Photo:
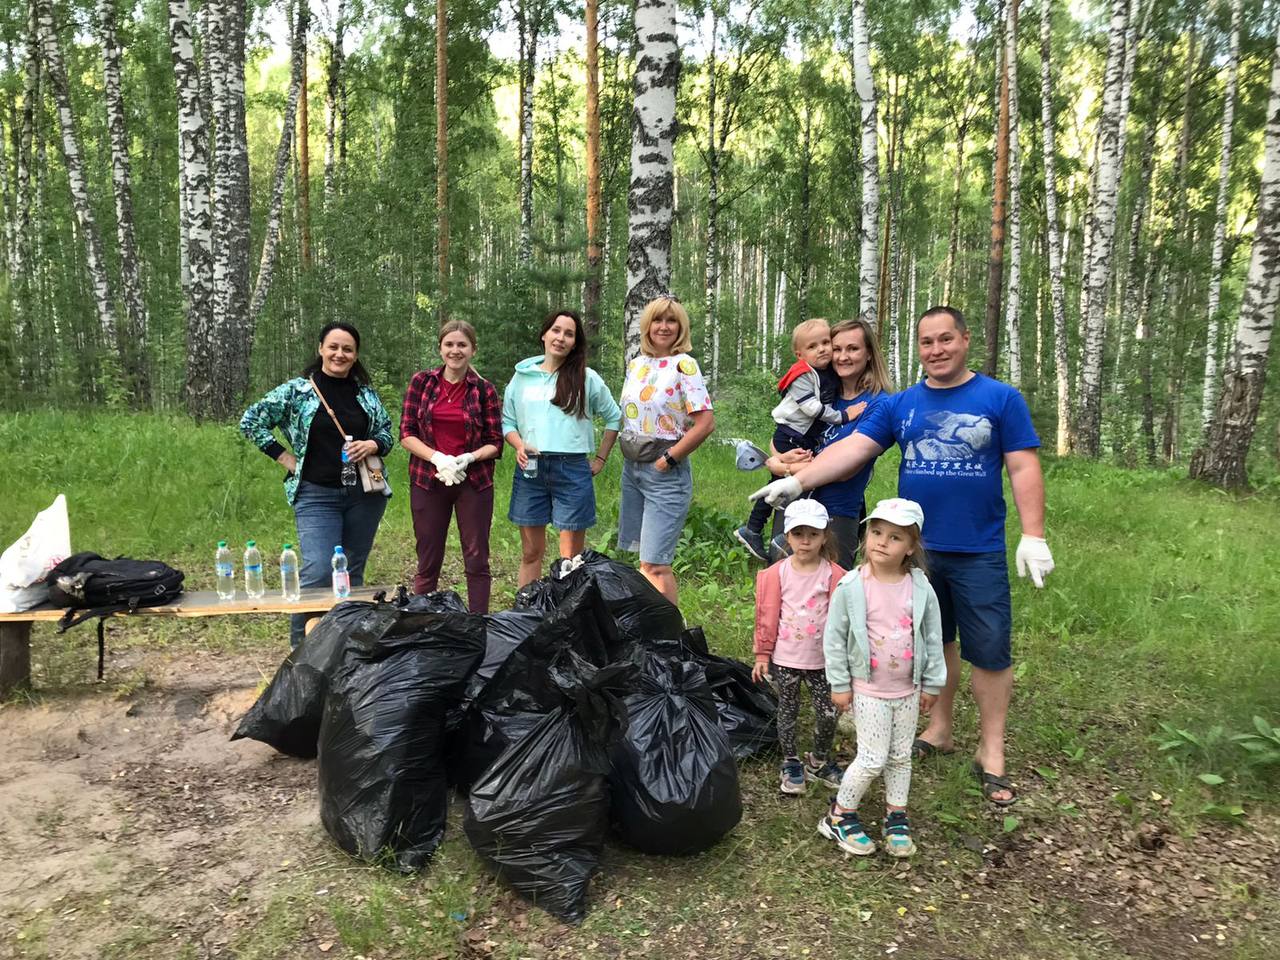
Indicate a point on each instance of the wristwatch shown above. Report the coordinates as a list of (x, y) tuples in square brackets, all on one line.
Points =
[(671, 461)]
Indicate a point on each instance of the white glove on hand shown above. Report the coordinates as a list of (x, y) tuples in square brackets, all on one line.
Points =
[(1033, 557), (780, 492), (443, 462), (451, 478), (465, 460)]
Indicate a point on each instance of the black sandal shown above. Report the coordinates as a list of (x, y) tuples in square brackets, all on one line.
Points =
[(922, 749), (992, 784)]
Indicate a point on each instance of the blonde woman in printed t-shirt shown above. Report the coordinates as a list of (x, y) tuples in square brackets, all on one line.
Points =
[(666, 414)]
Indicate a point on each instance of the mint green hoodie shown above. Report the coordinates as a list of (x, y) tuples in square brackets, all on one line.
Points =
[(527, 409)]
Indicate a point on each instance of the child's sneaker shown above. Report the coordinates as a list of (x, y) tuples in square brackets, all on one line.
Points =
[(846, 830), (897, 835), (753, 541), (792, 777), (827, 772), (779, 549)]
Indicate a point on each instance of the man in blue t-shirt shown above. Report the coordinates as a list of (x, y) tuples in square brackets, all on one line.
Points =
[(957, 429)]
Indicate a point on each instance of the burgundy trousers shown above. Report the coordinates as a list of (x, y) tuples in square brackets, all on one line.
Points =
[(432, 510)]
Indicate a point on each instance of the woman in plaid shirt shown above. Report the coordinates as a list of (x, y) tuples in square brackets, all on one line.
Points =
[(452, 428)]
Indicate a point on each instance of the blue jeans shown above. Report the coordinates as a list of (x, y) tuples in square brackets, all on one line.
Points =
[(328, 516)]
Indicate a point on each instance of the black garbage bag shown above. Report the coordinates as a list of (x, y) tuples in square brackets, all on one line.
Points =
[(674, 780), (521, 692), (438, 601), (381, 761), (539, 815), (640, 611), (748, 711), (287, 715)]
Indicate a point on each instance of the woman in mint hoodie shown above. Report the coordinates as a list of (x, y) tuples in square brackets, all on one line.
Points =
[(547, 413)]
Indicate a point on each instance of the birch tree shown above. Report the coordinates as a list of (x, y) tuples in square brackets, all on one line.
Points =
[(1013, 305), (651, 196), (865, 88), (1102, 227), (21, 252), (122, 188), (1209, 394), (999, 210), (529, 19), (1053, 238), (73, 159), (592, 286), (195, 212), (1222, 458), (271, 239), (333, 87), (442, 156)]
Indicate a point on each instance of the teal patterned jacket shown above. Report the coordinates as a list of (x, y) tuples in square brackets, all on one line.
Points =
[(290, 408)]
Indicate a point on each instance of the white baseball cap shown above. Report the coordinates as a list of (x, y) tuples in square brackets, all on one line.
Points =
[(805, 513), (898, 510)]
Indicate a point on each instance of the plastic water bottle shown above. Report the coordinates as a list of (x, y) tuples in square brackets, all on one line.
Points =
[(348, 468), (341, 579), (290, 584), (224, 568), (253, 583), (531, 466)]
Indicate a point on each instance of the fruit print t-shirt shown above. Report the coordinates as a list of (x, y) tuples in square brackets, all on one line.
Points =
[(803, 617), (659, 395)]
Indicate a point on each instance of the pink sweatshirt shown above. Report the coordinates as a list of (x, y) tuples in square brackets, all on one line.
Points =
[(769, 612)]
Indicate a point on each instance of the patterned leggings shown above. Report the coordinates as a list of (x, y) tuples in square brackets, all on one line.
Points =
[(824, 711), (886, 729)]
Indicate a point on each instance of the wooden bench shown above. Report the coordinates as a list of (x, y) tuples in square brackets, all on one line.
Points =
[(15, 628)]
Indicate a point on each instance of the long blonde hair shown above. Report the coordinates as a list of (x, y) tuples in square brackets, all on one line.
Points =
[(875, 376)]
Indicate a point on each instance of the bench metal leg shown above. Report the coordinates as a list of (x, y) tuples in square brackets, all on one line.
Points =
[(15, 657)]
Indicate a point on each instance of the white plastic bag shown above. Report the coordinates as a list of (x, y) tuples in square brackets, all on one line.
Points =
[(28, 561)]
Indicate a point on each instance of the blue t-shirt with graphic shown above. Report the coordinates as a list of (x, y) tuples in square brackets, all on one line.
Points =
[(953, 444), (844, 497)]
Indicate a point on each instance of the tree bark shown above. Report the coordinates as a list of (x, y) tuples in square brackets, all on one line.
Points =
[(1210, 391), (1013, 305), (442, 156), (333, 87), (650, 198), (195, 213), (864, 86), (1222, 460), (999, 212), (530, 21), (271, 240), (711, 272), (592, 289), (304, 159), (126, 237), (1053, 238), (1097, 277), (73, 159)]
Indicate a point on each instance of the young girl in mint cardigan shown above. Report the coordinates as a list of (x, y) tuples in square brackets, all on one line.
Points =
[(883, 647)]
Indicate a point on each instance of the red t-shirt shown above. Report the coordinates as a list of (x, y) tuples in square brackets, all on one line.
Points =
[(448, 420)]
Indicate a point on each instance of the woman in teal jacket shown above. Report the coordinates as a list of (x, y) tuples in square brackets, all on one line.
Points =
[(547, 414), (330, 509)]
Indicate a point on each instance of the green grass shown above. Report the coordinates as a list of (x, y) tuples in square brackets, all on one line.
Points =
[(1164, 609)]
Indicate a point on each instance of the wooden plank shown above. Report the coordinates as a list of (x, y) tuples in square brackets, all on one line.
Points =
[(205, 603), (15, 658)]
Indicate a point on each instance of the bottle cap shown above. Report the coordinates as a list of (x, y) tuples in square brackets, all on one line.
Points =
[(288, 546), (251, 543), (221, 544), (338, 549)]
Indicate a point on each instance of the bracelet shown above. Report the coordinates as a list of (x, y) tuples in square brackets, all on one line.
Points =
[(600, 458)]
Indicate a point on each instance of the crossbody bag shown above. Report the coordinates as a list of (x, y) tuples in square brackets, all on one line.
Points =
[(369, 470)]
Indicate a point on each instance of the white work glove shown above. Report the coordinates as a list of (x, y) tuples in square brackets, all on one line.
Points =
[(1033, 557), (780, 492), (443, 462), (465, 460)]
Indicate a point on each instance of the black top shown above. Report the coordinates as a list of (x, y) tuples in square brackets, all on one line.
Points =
[(323, 462)]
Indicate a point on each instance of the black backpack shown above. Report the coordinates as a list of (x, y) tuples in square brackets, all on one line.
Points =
[(91, 586)]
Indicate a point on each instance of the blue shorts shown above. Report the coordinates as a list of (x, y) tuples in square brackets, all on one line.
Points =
[(653, 509), (562, 493), (973, 594)]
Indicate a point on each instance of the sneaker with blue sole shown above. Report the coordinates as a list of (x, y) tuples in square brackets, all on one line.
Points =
[(792, 781), (897, 835), (753, 541), (845, 830)]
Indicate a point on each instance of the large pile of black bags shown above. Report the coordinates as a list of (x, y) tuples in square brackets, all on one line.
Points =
[(588, 705)]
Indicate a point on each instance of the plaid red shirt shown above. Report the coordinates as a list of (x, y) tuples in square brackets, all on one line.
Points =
[(483, 422)]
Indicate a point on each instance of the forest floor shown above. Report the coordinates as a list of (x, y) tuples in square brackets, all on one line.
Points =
[(131, 827)]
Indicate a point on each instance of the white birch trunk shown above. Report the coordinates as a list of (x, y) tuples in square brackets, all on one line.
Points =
[(1222, 460), (1053, 239), (1097, 275), (1013, 302), (1210, 393), (21, 285), (528, 74), (72, 156), (650, 196), (271, 240), (196, 213), (864, 86), (711, 262), (332, 88)]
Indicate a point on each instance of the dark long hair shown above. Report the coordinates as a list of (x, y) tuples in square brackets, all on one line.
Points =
[(571, 377), (357, 369)]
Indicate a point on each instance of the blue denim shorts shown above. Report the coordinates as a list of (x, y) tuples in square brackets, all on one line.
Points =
[(653, 509), (562, 494), (973, 594)]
